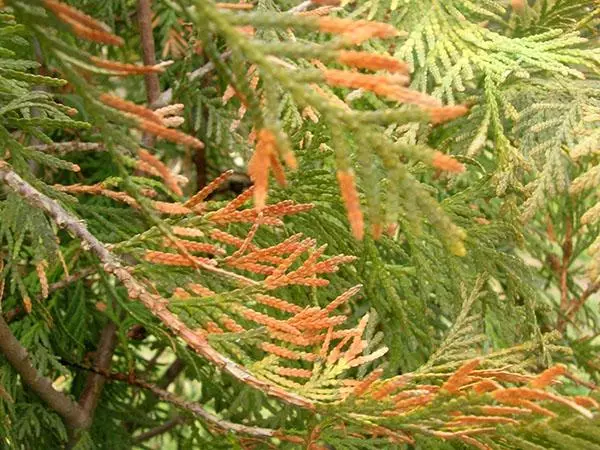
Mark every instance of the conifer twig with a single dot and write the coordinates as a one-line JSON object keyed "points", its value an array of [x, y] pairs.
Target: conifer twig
{"points": [[575, 305], [166, 97], [195, 408], [167, 378], [17, 356], [65, 147], [13, 314], [567, 248], [95, 383], [160, 429], [171, 373], [301, 6], [149, 58], [154, 303], [198, 411]]}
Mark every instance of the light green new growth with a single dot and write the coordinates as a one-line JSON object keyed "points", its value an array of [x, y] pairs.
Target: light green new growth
{"points": [[423, 273]]}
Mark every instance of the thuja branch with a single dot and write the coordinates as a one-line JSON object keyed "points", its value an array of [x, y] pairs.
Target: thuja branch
{"points": [[17, 356], [155, 303], [108, 338], [168, 377], [195, 408], [160, 429], [148, 51], [198, 411], [166, 97], [95, 383], [15, 313], [575, 305]]}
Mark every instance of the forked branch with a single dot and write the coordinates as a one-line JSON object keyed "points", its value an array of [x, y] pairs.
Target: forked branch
{"points": [[194, 408], [155, 303], [17, 356]]}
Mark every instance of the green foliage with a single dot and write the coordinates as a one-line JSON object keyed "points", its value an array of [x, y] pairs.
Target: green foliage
{"points": [[501, 261]]}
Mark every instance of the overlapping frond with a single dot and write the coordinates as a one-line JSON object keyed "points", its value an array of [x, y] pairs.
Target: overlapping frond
{"points": [[298, 74], [585, 148], [307, 353], [462, 52], [343, 113]]}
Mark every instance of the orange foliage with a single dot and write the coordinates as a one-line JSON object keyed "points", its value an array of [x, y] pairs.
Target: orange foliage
{"points": [[352, 202]]}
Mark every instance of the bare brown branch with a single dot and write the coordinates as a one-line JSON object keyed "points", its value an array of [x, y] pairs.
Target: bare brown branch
{"points": [[17, 356], [195, 408], [171, 373], [95, 383], [202, 413], [67, 147], [163, 428], [149, 57], [164, 382], [573, 307]]}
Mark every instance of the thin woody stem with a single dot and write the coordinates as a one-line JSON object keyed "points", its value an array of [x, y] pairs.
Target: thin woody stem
{"points": [[149, 57], [172, 373], [160, 429], [567, 249], [66, 147], [156, 304], [95, 383], [108, 339], [74, 415], [195, 408], [570, 307], [575, 305], [202, 413], [164, 382], [166, 97], [15, 313], [301, 7]]}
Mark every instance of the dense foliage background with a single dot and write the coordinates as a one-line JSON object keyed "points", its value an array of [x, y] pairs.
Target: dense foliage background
{"points": [[448, 148]]}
